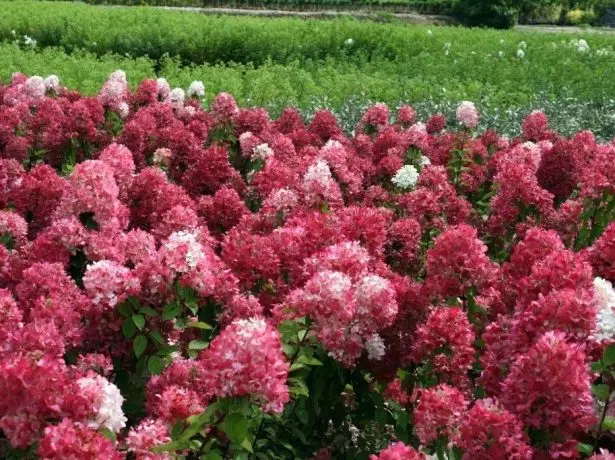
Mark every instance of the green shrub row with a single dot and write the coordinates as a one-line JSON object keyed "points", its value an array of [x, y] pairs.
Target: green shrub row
{"points": [[201, 39], [343, 88], [495, 13], [421, 6], [404, 58]]}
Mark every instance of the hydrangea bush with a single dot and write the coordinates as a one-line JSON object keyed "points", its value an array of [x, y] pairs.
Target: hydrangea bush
{"points": [[182, 283]]}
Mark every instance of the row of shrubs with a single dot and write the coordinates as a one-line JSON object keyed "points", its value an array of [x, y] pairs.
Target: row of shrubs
{"points": [[420, 6], [495, 13]]}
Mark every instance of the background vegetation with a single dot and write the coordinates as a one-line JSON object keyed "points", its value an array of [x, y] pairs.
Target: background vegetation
{"points": [[495, 13], [343, 65]]}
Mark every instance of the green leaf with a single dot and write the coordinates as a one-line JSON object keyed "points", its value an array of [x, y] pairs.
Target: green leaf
{"points": [[193, 306], [585, 448], [296, 367], [298, 387], [197, 345], [141, 365], [608, 357], [147, 311], [289, 329], [289, 350], [200, 325], [309, 361], [107, 433], [601, 391], [128, 328], [139, 321], [125, 309], [157, 337], [177, 429], [247, 445], [597, 366], [197, 422], [241, 405], [134, 301], [172, 310], [608, 423], [139, 345], [155, 365], [236, 427], [302, 414], [212, 456], [170, 446]]}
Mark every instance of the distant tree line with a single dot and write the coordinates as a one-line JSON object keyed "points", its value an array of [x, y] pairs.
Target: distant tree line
{"points": [[505, 13]]}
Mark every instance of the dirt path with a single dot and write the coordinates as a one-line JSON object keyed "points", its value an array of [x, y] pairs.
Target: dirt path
{"points": [[566, 29], [410, 18]]}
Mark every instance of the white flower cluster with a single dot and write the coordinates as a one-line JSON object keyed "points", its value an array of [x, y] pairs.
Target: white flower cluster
{"points": [[319, 172], [580, 45], [332, 144], [52, 83], [177, 96], [29, 41], [604, 296], [194, 251], [119, 76], [375, 348], [262, 151], [108, 404], [282, 198], [196, 89], [162, 156], [337, 286], [406, 177], [163, 88], [419, 128], [424, 161], [35, 87], [249, 327]]}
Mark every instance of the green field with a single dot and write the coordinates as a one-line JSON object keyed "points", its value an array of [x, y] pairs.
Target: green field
{"points": [[310, 63]]}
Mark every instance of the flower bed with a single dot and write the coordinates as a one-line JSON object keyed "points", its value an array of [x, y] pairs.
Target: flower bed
{"points": [[217, 284]]}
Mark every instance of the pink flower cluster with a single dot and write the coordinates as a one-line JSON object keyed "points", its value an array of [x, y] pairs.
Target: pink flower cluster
{"points": [[488, 279], [246, 359], [398, 451], [346, 299]]}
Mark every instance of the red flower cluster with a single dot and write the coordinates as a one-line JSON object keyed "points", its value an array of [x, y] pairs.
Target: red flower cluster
{"points": [[438, 413], [143, 235]]}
